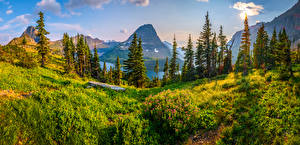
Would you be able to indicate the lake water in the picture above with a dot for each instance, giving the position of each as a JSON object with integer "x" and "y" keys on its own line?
{"x": 150, "y": 73}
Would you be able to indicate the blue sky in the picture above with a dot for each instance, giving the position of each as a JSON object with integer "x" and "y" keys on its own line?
{"x": 117, "y": 19}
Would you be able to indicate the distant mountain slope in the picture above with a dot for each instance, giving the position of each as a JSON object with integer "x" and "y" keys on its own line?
{"x": 290, "y": 20}
{"x": 180, "y": 52}
{"x": 153, "y": 47}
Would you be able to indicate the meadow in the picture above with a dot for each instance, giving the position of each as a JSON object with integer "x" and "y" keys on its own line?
{"x": 47, "y": 106}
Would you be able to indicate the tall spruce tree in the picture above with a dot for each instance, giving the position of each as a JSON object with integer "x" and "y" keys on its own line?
{"x": 222, "y": 42}
{"x": 243, "y": 60}
{"x": 118, "y": 72}
{"x": 206, "y": 35}
{"x": 156, "y": 81}
{"x": 189, "y": 59}
{"x": 80, "y": 54}
{"x": 214, "y": 52}
{"x": 285, "y": 53}
{"x": 228, "y": 59}
{"x": 130, "y": 62}
{"x": 43, "y": 44}
{"x": 166, "y": 72}
{"x": 110, "y": 75}
{"x": 67, "y": 48}
{"x": 96, "y": 69}
{"x": 273, "y": 49}
{"x": 139, "y": 69}
{"x": 260, "y": 50}
{"x": 184, "y": 72}
{"x": 173, "y": 61}
{"x": 200, "y": 59}
{"x": 104, "y": 73}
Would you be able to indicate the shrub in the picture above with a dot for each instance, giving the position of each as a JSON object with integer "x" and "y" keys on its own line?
{"x": 175, "y": 116}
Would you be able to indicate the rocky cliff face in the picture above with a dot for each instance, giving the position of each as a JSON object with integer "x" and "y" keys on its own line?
{"x": 290, "y": 20}
{"x": 31, "y": 32}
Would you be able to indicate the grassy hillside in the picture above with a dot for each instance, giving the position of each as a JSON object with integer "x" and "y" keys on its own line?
{"x": 46, "y": 106}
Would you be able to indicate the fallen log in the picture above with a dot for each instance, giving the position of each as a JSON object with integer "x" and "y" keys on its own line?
{"x": 103, "y": 85}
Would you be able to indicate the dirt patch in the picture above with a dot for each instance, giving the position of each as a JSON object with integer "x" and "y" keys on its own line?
{"x": 12, "y": 95}
{"x": 205, "y": 138}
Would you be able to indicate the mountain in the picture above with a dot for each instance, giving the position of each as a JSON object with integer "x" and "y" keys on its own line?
{"x": 290, "y": 20}
{"x": 31, "y": 32}
{"x": 153, "y": 47}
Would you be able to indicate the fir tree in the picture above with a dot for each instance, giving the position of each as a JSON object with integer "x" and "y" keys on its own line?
{"x": 222, "y": 42}
{"x": 24, "y": 41}
{"x": 298, "y": 53}
{"x": 260, "y": 50}
{"x": 110, "y": 75}
{"x": 130, "y": 62}
{"x": 172, "y": 70}
{"x": 189, "y": 59}
{"x": 156, "y": 81}
{"x": 139, "y": 69}
{"x": 206, "y": 35}
{"x": 228, "y": 59}
{"x": 285, "y": 53}
{"x": 43, "y": 44}
{"x": 200, "y": 59}
{"x": 118, "y": 72}
{"x": 67, "y": 48}
{"x": 81, "y": 55}
{"x": 214, "y": 47}
{"x": 104, "y": 72}
{"x": 273, "y": 49}
{"x": 166, "y": 72}
{"x": 244, "y": 53}
{"x": 184, "y": 72}
{"x": 96, "y": 69}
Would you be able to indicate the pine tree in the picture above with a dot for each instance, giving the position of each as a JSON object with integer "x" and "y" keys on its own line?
{"x": 214, "y": 47}
{"x": 96, "y": 69}
{"x": 298, "y": 53}
{"x": 139, "y": 69}
{"x": 156, "y": 81}
{"x": 87, "y": 59}
{"x": 206, "y": 35}
{"x": 118, "y": 72}
{"x": 43, "y": 44}
{"x": 166, "y": 72}
{"x": 228, "y": 59}
{"x": 24, "y": 41}
{"x": 200, "y": 59}
{"x": 104, "y": 72}
{"x": 222, "y": 42}
{"x": 67, "y": 48}
{"x": 110, "y": 75}
{"x": 81, "y": 55}
{"x": 260, "y": 50}
{"x": 273, "y": 49}
{"x": 244, "y": 53}
{"x": 173, "y": 61}
{"x": 184, "y": 72}
{"x": 189, "y": 59}
{"x": 130, "y": 62}
{"x": 285, "y": 53}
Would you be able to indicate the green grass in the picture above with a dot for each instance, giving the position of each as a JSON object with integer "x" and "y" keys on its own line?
{"x": 257, "y": 109}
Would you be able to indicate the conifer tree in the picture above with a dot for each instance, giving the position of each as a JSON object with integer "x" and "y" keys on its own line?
{"x": 189, "y": 59}
{"x": 260, "y": 50}
{"x": 156, "y": 78}
{"x": 96, "y": 69}
{"x": 244, "y": 53}
{"x": 184, "y": 72}
{"x": 177, "y": 72}
{"x": 43, "y": 44}
{"x": 228, "y": 59}
{"x": 273, "y": 49}
{"x": 166, "y": 72}
{"x": 206, "y": 35}
{"x": 80, "y": 54}
{"x": 118, "y": 72}
{"x": 222, "y": 42}
{"x": 200, "y": 59}
{"x": 173, "y": 64}
{"x": 104, "y": 72}
{"x": 67, "y": 48}
{"x": 298, "y": 53}
{"x": 139, "y": 69}
{"x": 285, "y": 53}
{"x": 24, "y": 41}
{"x": 214, "y": 47}
{"x": 130, "y": 62}
{"x": 110, "y": 75}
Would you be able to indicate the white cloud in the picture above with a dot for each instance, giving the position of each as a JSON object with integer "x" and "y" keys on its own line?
{"x": 92, "y": 3}
{"x": 140, "y": 2}
{"x": 250, "y": 9}
{"x": 51, "y": 6}
{"x": 9, "y": 12}
{"x": 202, "y": 0}
{"x": 124, "y": 31}
{"x": 66, "y": 27}
{"x": 16, "y": 22}
{"x": 1, "y": 20}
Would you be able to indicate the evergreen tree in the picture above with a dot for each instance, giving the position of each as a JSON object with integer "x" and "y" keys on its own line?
{"x": 222, "y": 42}
{"x": 104, "y": 72}
{"x": 206, "y": 35}
{"x": 273, "y": 49}
{"x": 96, "y": 69}
{"x": 130, "y": 62}
{"x": 81, "y": 55}
{"x": 189, "y": 59}
{"x": 184, "y": 72}
{"x": 260, "y": 50}
{"x": 156, "y": 81}
{"x": 285, "y": 53}
{"x": 43, "y": 44}
{"x": 214, "y": 47}
{"x": 67, "y": 48}
{"x": 139, "y": 69}
{"x": 243, "y": 60}
{"x": 118, "y": 72}
{"x": 173, "y": 61}
{"x": 166, "y": 72}
{"x": 177, "y": 72}
{"x": 200, "y": 59}
{"x": 24, "y": 41}
{"x": 298, "y": 54}
{"x": 110, "y": 75}
{"x": 228, "y": 59}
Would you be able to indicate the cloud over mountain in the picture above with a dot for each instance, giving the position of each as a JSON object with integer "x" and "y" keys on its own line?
{"x": 251, "y": 9}
{"x": 50, "y": 6}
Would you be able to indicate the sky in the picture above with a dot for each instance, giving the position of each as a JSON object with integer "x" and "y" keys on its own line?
{"x": 118, "y": 19}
